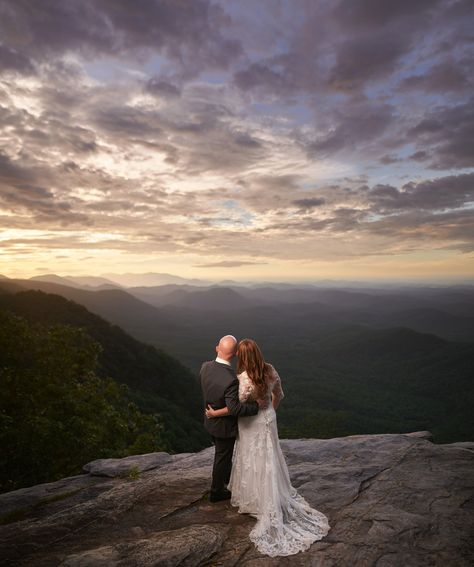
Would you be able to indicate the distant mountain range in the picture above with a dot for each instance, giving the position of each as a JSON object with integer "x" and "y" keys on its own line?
{"x": 186, "y": 296}
{"x": 152, "y": 279}
{"x": 353, "y": 360}
{"x": 83, "y": 282}
{"x": 145, "y": 311}
{"x": 115, "y": 305}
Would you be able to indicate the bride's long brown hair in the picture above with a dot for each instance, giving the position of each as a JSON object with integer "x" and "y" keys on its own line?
{"x": 250, "y": 359}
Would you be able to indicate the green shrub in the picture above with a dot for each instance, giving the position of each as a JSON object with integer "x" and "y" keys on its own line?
{"x": 55, "y": 412}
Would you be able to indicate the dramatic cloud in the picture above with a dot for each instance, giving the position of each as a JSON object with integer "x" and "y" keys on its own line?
{"x": 442, "y": 77}
{"x": 354, "y": 127}
{"x": 438, "y": 194}
{"x": 309, "y": 203}
{"x": 187, "y": 33}
{"x": 447, "y": 133}
{"x": 216, "y": 134}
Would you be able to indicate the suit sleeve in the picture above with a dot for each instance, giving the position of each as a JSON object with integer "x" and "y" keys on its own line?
{"x": 236, "y": 407}
{"x": 200, "y": 376}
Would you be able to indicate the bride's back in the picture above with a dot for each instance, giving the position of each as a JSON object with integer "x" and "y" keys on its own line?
{"x": 248, "y": 391}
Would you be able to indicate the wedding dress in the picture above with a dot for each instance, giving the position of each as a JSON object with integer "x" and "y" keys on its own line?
{"x": 260, "y": 483}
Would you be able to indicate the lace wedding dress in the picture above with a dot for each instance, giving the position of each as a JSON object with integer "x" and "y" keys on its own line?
{"x": 260, "y": 483}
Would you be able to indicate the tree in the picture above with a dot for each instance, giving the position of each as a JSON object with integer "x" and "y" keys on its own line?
{"x": 55, "y": 412}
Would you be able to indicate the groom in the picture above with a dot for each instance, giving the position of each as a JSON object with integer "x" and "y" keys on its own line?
{"x": 220, "y": 388}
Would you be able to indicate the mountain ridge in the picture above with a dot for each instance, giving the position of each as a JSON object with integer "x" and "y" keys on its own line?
{"x": 342, "y": 375}
{"x": 158, "y": 382}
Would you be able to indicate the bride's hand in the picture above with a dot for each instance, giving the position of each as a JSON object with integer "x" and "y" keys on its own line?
{"x": 210, "y": 412}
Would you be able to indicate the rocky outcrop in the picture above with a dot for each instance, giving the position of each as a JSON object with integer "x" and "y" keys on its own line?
{"x": 129, "y": 465}
{"x": 393, "y": 500}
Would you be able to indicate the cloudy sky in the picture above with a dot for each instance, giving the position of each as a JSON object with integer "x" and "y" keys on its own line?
{"x": 242, "y": 139}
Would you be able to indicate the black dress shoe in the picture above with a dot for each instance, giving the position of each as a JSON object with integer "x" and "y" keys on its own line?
{"x": 221, "y": 495}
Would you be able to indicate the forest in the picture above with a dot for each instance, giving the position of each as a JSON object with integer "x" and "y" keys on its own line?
{"x": 76, "y": 386}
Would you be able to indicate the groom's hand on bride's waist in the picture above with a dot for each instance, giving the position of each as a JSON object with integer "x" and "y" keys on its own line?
{"x": 209, "y": 411}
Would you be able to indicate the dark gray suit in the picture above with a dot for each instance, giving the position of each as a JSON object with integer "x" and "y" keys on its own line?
{"x": 220, "y": 388}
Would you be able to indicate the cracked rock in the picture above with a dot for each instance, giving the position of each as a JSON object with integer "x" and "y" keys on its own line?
{"x": 393, "y": 500}
{"x": 185, "y": 546}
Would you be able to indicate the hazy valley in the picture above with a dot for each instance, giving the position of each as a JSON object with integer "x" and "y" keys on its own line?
{"x": 352, "y": 360}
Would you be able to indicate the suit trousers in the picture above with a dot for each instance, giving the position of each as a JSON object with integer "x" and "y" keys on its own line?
{"x": 222, "y": 462}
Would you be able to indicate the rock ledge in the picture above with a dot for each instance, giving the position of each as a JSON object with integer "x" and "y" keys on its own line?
{"x": 392, "y": 500}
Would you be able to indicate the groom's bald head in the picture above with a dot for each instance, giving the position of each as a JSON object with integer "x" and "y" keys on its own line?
{"x": 227, "y": 347}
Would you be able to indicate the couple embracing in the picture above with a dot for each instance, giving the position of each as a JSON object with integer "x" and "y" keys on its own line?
{"x": 249, "y": 467}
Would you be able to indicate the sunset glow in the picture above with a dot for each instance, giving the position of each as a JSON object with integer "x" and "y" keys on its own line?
{"x": 211, "y": 139}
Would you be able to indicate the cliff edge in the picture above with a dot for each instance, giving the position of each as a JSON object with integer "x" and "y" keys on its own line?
{"x": 393, "y": 500}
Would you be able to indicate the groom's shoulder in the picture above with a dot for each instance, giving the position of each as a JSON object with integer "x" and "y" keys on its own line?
{"x": 206, "y": 365}
{"x": 213, "y": 367}
{"x": 209, "y": 366}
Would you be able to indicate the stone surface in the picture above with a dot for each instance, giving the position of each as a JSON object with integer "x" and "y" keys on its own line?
{"x": 33, "y": 496}
{"x": 393, "y": 500}
{"x": 121, "y": 467}
{"x": 185, "y": 546}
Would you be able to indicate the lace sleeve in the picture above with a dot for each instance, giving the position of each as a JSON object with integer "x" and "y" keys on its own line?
{"x": 277, "y": 389}
{"x": 245, "y": 387}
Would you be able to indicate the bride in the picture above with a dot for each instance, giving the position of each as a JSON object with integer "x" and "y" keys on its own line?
{"x": 259, "y": 481}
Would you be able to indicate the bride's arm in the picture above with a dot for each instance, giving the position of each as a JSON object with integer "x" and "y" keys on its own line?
{"x": 277, "y": 393}
{"x": 245, "y": 387}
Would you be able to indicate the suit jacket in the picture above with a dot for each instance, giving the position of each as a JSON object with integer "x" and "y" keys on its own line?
{"x": 220, "y": 388}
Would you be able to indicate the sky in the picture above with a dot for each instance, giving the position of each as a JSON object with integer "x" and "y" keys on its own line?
{"x": 235, "y": 139}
